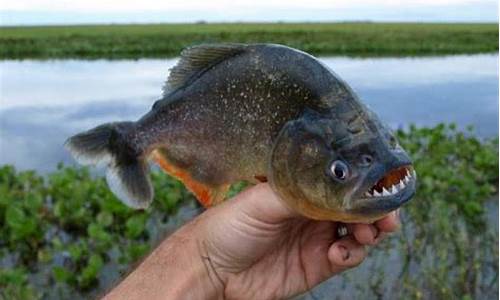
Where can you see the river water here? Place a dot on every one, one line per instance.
(44, 102)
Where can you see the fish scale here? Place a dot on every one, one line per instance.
(259, 112)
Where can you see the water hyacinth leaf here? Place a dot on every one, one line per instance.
(14, 284)
(15, 216)
(98, 233)
(34, 200)
(111, 204)
(21, 225)
(136, 251)
(76, 251)
(61, 274)
(135, 225)
(90, 271)
(15, 276)
(95, 262)
(105, 218)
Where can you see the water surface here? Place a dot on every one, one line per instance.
(44, 102)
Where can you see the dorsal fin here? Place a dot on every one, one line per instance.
(196, 59)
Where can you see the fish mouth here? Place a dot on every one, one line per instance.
(392, 183)
(389, 192)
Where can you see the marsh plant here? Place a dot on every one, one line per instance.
(167, 40)
(65, 235)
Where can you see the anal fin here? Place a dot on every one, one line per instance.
(207, 195)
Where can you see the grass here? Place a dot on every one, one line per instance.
(165, 40)
(65, 235)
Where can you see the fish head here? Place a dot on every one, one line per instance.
(328, 168)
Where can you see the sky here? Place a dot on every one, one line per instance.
(37, 12)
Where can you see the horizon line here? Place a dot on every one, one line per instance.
(203, 22)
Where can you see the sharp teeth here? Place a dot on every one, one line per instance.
(406, 179)
(408, 173)
(367, 194)
(376, 194)
(394, 189)
(401, 185)
(385, 192)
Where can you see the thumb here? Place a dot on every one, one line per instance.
(260, 202)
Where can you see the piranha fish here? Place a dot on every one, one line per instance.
(258, 112)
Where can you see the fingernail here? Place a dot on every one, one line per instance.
(343, 252)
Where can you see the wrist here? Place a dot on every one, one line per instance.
(195, 277)
(176, 269)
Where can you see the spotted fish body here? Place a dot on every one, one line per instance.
(257, 112)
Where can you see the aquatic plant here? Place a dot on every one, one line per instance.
(447, 247)
(70, 224)
(65, 234)
(447, 233)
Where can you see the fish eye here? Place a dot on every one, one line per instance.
(339, 170)
(366, 160)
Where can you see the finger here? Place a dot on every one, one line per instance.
(389, 223)
(365, 234)
(345, 253)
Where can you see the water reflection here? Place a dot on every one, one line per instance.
(43, 102)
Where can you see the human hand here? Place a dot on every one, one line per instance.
(260, 249)
(252, 247)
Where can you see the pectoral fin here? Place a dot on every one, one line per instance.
(207, 195)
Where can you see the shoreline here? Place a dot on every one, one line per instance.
(135, 41)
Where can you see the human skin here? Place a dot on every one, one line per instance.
(250, 247)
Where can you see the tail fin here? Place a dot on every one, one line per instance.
(127, 170)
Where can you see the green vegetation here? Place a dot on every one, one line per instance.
(447, 248)
(66, 234)
(163, 40)
(68, 226)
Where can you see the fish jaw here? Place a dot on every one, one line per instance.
(385, 194)
(300, 173)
